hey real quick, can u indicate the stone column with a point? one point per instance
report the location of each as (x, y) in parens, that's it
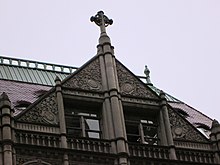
(113, 103)
(6, 129)
(215, 139)
(172, 152)
(107, 121)
(62, 122)
(163, 136)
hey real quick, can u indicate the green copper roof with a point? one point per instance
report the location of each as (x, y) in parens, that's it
(32, 71)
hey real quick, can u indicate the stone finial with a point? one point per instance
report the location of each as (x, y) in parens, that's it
(4, 100)
(147, 73)
(101, 20)
(4, 97)
(215, 123)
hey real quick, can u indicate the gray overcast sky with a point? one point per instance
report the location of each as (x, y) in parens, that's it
(179, 40)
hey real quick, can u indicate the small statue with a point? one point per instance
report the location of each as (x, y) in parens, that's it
(147, 73)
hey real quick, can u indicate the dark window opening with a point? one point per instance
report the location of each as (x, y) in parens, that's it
(141, 129)
(81, 122)
(150, 133)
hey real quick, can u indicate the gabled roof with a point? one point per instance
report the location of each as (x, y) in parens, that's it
(24, 81)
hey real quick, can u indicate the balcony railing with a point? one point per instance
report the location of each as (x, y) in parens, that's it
(195, 156)
(48, 140)
(38, 139)
(148, 151)
(151, 152)
(136, 151)
(94, 145)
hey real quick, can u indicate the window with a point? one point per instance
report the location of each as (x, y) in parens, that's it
(141, 127)
(148, 129)
(81, 123)
(142, 131)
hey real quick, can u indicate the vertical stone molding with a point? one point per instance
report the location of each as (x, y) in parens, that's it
(113, 113)
(7, 121)
(167, 126)
(215, 139)
(163, 136)
(62, 123)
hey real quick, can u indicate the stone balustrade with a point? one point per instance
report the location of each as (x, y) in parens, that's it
(53, 140)
(196, 156)
(148, 151)
(38, 139)
(93, 145)
(136, 151)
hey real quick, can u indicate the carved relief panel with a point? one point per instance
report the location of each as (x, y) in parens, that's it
(89, 78)
(182, 130)
(45, 112)
(130, 85)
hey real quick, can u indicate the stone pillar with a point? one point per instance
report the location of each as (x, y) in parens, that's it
(106, 111)
(172, 152)
(62, 122)
(163, 136)
(112, 103)
(6, 129)
(215, 139)
(107, 121)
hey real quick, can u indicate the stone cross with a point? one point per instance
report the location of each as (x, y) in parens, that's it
(101, 20)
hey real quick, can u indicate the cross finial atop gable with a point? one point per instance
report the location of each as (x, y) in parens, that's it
(101, 20)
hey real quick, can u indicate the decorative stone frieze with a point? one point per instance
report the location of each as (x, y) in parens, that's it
(44, 112)
(140, 101)
(88, 78)
(81, 93)
(131, 85)
(183, 130)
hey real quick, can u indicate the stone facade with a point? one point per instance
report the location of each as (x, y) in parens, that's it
(102, 114)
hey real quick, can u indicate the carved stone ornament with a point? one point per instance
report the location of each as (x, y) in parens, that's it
(183, 130)
(82, 93)
(45, 112)
(140, 101)
(130, 85)
(89, 78)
